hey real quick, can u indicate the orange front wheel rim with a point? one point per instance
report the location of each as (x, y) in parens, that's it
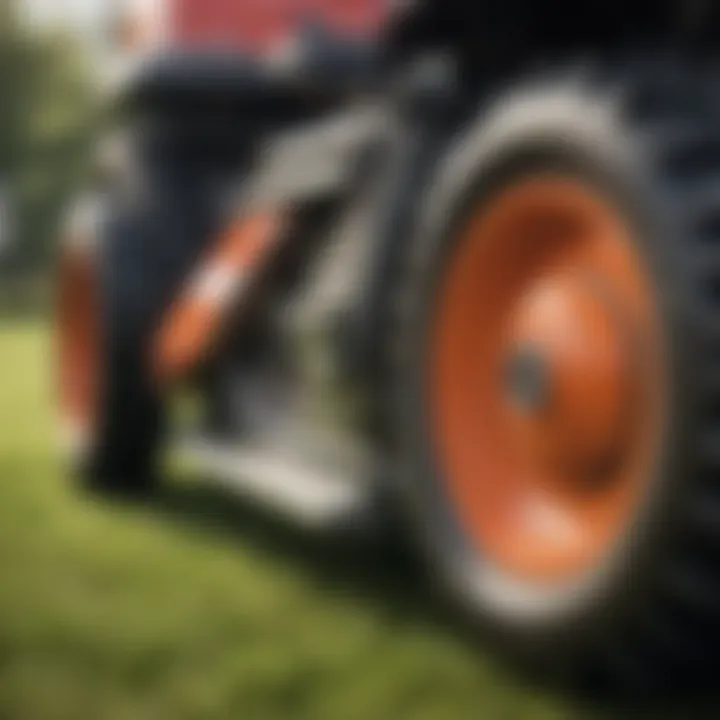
(545, 377)
(78, 347)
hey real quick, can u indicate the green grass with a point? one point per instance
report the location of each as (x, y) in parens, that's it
(196, 607)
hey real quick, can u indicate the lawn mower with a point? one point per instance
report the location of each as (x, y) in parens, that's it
(467, 267)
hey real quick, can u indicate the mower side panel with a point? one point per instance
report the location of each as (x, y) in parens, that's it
(315, 163)
(221, 280)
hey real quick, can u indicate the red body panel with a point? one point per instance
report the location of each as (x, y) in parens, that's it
(258, 24)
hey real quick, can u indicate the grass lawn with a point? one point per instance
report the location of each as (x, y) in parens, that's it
(196, 607)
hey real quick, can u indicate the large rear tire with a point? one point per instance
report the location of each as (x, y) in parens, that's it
(555, 366)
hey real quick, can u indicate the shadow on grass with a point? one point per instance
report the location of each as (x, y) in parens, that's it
(383, 570)
(374, 566)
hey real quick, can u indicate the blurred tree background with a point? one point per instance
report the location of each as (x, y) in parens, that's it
(47, 122)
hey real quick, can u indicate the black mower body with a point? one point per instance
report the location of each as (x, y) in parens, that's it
(421, 78)
(299, 213)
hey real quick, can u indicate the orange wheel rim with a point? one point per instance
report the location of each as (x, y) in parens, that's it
(545, 378)
(78, 347)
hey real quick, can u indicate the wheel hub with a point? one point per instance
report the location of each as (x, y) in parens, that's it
(528, 380)
(570, 375)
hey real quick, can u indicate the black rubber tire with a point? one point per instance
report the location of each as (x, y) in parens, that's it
(645, 132)
(127, 436)
(153, 230)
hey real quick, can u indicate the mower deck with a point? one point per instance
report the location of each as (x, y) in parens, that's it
(296, 477)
